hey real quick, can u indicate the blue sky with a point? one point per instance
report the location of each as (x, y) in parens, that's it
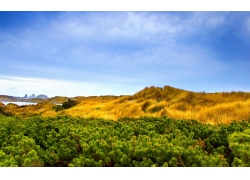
(118, 53)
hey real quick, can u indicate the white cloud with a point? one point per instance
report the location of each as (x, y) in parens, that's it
(247, 26)
(210, 20)
(111, 48)
(19, 86)
(87, 63)
(112, 28)
(109, 25)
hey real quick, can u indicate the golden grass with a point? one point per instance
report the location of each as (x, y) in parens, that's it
(212, 108)
(219, 113)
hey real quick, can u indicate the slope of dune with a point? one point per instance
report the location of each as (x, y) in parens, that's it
(212, 108)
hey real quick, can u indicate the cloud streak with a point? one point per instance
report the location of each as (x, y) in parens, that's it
(19, 86)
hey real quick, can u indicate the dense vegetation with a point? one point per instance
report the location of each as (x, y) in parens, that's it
(144, 141)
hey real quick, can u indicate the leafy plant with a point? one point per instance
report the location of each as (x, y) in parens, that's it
(129, 142)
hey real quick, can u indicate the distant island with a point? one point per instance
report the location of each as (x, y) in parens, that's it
(41, 96)
(25, 98)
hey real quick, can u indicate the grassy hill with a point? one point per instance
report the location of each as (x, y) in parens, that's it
(212, 108)
(176, 103)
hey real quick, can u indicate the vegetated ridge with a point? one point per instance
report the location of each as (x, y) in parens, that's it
(212, 108)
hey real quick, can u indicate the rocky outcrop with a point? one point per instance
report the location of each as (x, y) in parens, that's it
(32, 96)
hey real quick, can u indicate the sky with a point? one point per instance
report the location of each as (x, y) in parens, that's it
(92, 53)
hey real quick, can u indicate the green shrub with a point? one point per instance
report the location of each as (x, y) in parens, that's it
(58, 108)
(70, 103)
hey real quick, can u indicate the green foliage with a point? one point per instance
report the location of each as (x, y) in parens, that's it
(70, 103)
(7, 160)
(128, 142)
(239, 143)
(58, 108)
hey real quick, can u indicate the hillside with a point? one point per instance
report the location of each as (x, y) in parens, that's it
(212, 108)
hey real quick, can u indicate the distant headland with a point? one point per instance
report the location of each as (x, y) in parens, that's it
(32, 97)
(41, 96)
